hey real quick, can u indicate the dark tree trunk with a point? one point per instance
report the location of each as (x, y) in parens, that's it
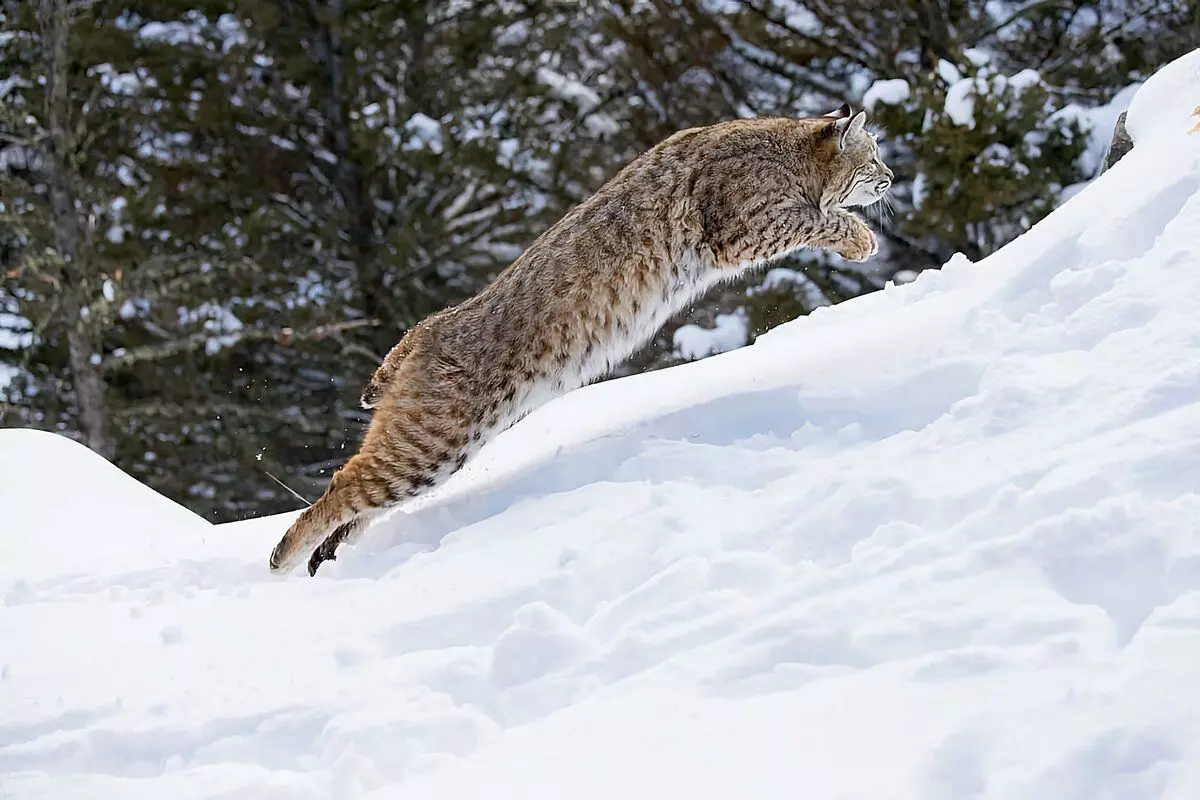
(934, 31)
(54, 21)
(348, 180)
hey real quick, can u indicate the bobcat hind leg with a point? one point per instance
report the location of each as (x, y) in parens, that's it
(327, 550)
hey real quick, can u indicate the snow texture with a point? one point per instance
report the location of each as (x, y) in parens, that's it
(937, 542)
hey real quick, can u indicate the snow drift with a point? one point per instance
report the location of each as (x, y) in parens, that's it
(937, 542)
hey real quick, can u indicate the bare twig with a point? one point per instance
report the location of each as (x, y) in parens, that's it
(292, 491)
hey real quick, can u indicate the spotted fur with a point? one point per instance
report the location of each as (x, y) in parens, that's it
(699, 208)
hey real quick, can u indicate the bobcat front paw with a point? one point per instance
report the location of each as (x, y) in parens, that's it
(859, 246)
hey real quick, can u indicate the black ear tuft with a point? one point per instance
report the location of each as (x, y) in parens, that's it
(847, 128)
(843, 112)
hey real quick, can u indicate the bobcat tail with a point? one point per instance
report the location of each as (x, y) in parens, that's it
(375, 388)
(383, 375)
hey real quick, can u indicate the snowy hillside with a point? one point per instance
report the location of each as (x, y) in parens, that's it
(940, 542)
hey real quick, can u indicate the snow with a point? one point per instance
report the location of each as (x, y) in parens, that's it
(514, 34)
(729, 332)
(173, 32)
(569, 89)
(948, 72)
(936, 542)
(1098, 122)
(960, 102)
(141, 530)
(230, 29)
(801, 19)
(889, 92)
(1166, 104)
(978, 57)
(961, 92)
(584, 97)
(920, 189)
(425, 133)
(15, 332)
(12, 82)
(120, 83)
(1025, 79)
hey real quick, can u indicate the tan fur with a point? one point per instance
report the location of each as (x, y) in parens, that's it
(701, 207)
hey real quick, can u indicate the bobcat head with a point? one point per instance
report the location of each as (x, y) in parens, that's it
(856, 176)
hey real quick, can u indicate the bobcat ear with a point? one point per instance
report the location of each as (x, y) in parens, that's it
(841, 112)
(849, 127)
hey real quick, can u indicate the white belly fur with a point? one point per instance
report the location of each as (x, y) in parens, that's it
(620, 342)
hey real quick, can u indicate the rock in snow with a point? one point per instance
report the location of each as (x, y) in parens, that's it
(936, 542)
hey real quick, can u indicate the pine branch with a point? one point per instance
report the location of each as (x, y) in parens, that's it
(1020, 13)
(861, 54)
(789, 71)
(30, 142)
(151, 281)
(284, 336)
(188, 411)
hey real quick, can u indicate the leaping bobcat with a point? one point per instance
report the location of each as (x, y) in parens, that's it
(701, 207)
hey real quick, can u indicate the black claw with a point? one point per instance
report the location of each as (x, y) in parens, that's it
(328, 549)
(321, 554)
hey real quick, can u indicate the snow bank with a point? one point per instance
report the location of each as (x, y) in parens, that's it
(936, 542)
(66, 513)
(1166, 106)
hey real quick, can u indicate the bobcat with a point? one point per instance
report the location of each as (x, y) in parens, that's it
(699, 208)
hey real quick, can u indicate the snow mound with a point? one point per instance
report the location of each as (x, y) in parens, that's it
(937, 542)
(50, 484)
(1165, 108)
